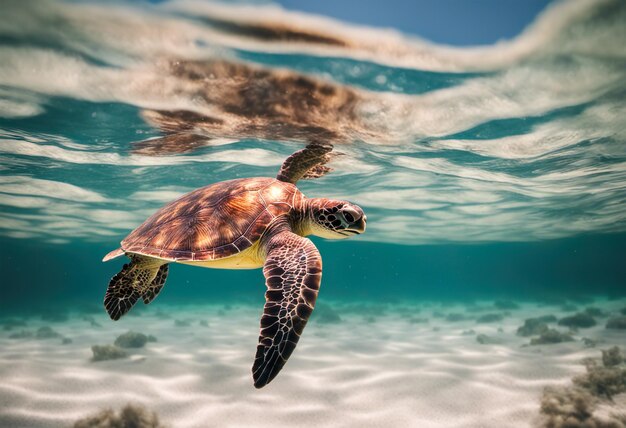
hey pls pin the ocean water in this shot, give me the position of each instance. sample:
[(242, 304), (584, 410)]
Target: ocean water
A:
[(493, 179)]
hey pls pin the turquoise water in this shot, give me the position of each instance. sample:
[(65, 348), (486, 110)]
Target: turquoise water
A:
[(486, 173)]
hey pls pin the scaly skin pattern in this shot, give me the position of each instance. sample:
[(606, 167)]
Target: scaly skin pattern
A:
[(142, 277), (293, 273)]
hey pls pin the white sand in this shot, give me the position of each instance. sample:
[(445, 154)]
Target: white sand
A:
[(388, 373)]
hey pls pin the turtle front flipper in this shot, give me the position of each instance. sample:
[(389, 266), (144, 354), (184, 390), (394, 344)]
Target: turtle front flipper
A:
[(142, 277), (293, 272), (306, 163)]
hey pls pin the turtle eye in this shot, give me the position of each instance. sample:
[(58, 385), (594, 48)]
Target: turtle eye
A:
[(349, 217)]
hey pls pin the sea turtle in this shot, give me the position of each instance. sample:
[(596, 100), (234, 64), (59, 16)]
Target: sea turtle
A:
[(243, 224)]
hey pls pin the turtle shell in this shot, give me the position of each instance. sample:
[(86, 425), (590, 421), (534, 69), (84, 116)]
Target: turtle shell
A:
[(213, 222)]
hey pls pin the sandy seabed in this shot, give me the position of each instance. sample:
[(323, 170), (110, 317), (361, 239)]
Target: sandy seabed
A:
[(387, 366)]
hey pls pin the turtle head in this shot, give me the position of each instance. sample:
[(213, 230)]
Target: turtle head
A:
[(335, 219)]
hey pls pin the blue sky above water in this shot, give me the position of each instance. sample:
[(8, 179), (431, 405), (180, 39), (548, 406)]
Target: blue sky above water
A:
[(454, 22)]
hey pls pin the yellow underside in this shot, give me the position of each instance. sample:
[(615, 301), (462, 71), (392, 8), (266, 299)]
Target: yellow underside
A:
[(247, 259)]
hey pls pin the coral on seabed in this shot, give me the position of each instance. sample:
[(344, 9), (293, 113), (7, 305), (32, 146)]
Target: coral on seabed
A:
[(182, 323), (131, 339), (595, 312), (566, 407), (46, 332), (131, 416), (589, 343), (551, 336), (476, 308), (483, 339), (455, 317), (603, 381), (579, 320), (490, 318), (91, 321), (618, 323), (107, 352), (24, 334), (534, 326), (578, 405), (612, 357), (532, 329)]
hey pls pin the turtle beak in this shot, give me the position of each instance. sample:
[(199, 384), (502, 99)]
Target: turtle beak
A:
[(358, 226), (362, 223)]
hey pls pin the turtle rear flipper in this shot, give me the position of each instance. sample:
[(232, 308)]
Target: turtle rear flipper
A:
[(142, 277), (156, 285)]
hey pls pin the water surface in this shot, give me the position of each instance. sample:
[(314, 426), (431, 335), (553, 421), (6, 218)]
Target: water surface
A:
[(488, 172)]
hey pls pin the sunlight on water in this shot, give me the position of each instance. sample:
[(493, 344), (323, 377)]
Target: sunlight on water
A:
[(493, 179), (130, 107)]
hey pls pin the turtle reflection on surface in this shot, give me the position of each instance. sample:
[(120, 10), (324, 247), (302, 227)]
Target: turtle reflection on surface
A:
[(237, 100)]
